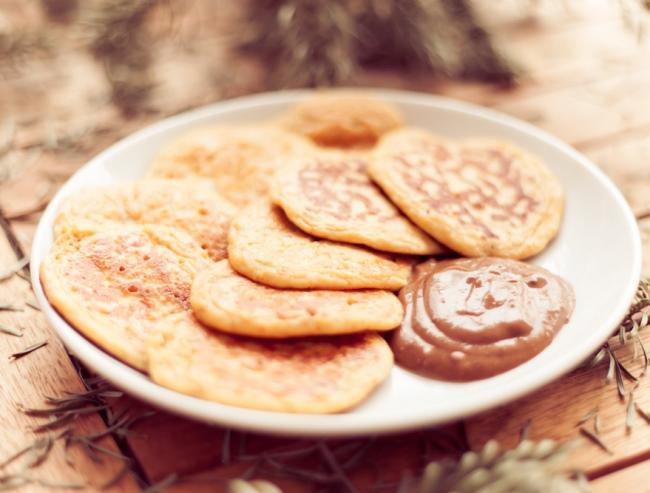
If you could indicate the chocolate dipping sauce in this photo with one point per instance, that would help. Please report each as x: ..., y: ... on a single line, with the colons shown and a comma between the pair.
x: 472, y: 318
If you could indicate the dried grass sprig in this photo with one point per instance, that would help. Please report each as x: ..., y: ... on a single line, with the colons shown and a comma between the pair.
x: 321, y: 43
x: 310, y: 42
x: 115, y: 33
x: 442, y: 37
x: 26, y: 351
x: 62, y: 411
x: 636, y: 320
x: 534, y: 467
x: 531, y: 466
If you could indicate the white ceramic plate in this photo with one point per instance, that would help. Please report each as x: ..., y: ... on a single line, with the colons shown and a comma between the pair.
x: 598, y: 250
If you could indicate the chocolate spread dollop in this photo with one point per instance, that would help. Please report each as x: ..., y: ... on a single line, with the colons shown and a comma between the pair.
x: 472, y: 318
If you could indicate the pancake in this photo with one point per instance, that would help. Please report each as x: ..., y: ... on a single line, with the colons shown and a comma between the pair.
x: 480, y: 197
x: 265, y: 247
x: 117, y: 285
x: 330, y: 195
x: 316, y: 375
x: 239, y: 159
x: 192, y: 205
x: 342, y: 119
x: 223, y: 299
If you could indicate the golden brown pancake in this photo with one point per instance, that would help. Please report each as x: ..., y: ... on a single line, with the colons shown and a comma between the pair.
x: 330, y: 195
x: 120, y: 284
x: 315, y: 375
x: 192, y: 205
x: 266, y: 247
x: 223, y: 299
x: 479, y: 197
x: 342, y: 119
x: 239, y: 159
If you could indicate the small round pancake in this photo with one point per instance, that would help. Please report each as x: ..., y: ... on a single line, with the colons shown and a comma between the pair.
x: 116, y: 285
x: 479, y: 197
x: 265, y: 247
x: 192, y: 205
x: 223, y: 299
x: 315, y: 375
x: 330, y: 195
x: 340, y: 119
x: 240, y: 160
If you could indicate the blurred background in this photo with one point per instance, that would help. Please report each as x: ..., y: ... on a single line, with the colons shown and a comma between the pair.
x: 76, y: 75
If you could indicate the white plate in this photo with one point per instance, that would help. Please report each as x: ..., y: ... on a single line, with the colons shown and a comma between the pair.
x: 598, y: 250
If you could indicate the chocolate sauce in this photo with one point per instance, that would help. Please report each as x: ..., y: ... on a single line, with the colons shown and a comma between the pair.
x: 472, y: 318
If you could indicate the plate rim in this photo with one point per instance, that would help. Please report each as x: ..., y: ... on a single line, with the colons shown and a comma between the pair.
x: 288, y: 424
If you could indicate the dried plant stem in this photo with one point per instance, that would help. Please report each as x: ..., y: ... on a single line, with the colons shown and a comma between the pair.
x: 28, y: 350
x: 10, y: 331
x: 6, y: 307
x: 32, y: 306
x: 595, y: 439
x: 14, y: 269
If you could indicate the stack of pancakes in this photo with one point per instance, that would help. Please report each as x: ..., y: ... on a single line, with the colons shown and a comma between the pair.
x: 256, y: 265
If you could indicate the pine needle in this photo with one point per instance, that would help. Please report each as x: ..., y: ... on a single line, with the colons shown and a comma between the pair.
x: 590, y: 414
x: 334, y: 465
x: 27, y: 350
x: 32, y: 305
x: 40, y: 444
x: 14, y: 269
x: 595, y: 439
x: 642, y: 413
x: 9, y: 308
x: 10, y: 331
x: 630, y: 415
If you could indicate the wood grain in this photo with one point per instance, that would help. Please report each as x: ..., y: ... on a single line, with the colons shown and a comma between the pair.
x: 25, y: 382
x: 184, y: 446
x: 627, y: 163
x: 633, y: 478
x: 584, y: 114
x: 555, y: 411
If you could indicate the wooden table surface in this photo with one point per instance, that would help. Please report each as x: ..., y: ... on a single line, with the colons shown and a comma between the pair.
x: 586, y: 79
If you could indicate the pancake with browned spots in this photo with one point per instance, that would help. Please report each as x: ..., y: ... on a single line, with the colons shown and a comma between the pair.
x: 479, y: 196
x: 119, y: 284
x: 265, y: 246
x: 227, y: 301
x: 315, y: 375
x: 342, y: 119
x: 192, y: 205
x: 240, y: 160
x: 330, y: 195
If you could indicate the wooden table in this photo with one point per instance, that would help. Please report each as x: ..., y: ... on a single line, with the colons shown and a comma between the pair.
x: 587, y: 80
